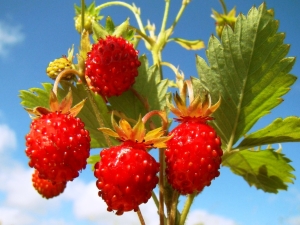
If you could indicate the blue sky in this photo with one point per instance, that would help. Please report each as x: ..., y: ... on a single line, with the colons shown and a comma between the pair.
x: 33, y: 33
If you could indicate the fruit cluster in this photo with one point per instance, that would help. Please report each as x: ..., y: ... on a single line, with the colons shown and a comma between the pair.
x: 58, y: 144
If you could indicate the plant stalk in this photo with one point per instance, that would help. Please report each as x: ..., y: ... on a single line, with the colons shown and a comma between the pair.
x: 223, y: 6
x: 134, y: 10
x: 141, y: 218
x: 186, y: 208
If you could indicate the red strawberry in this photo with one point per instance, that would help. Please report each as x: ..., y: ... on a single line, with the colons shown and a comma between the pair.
x: 111, y: 66
x: 126, y: 176
x: 127, y: 173
x: 193, y: 155
x: 45, y: 187
x: 58, y: 144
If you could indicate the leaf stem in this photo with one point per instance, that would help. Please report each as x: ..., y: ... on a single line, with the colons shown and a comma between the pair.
x: 186, y: 208
x: 165, y: 17
x: 134, y: 10
x: 179, y: 14
x: 223, y: 6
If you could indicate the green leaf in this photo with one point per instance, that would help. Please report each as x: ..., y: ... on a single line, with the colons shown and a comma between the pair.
x: 148, y: 93
x: 249, y: 69
x: 266, y: 169
x: 40, y: 97
x: 189, y: 44
x: 92, y: 160
x: 280, y: 130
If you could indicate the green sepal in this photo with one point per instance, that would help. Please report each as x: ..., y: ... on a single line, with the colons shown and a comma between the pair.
x: 35, y: 97
x: 121, y: 30
x: 109, y: 25
x: 98, y: 32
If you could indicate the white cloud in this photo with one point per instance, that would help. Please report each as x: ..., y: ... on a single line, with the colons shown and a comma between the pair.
x: 87, y: 205
x: 7, y: 138
x: 11, y: 215
x: 9, y: 36
x: 199, y: 217
x: 21, y: 204
x: 294, y: 220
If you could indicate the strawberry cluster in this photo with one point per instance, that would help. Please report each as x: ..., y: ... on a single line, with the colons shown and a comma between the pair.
x: 57, y: 144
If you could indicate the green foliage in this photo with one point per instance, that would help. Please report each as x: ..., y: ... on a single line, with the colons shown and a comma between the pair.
x: 250, y: 71
x: 148, y: 88
x: 189, y: 44
x: 279, y: 131
x: 40, y: 97
x: 266, y: 169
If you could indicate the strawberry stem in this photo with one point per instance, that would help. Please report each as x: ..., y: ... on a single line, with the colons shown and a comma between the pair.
x: 186, y: 208
x: 133, y: 9
x: 140, y: 216
x: 61, y: 75
x: 82, y: 14
x: 161, y: 184
x: 173, y: 211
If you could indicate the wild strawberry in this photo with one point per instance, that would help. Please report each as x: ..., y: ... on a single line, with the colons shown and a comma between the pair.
x: 58, y: 65
x: 111, y: 66
x: 127, y: 173
x: 193, y: 155
x: 58, y: 144
x: 46, y: 188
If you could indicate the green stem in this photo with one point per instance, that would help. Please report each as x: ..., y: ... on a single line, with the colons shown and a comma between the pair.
x: 173, y: 211
x: 82, y: 14
x: 142, y: 221
x: 143, y: 35
x: 161, y: 187
x: 223, y: 6
x: 126, y: 5
x: 165, y: 18
x: 179, y: 14
x: 186, y: 208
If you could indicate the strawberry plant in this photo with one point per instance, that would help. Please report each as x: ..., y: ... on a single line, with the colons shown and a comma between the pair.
x: 110, y: 97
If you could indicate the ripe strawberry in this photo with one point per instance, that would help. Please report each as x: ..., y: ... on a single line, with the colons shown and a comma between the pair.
x: 193, y: 155
x: 127, y: 173
x: 46, y: 188
x: 58, y: 144
x: 126, y: 176
x: 111, y: 66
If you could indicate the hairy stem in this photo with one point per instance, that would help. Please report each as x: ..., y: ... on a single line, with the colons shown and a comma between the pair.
x: 179, y: 14
x: 82, y: 14
x: 173, y: 211
x: 141, y: 218
x: 186, y: 208
x: 223, y: 6
x: 161, y: 187
x: 165, y: 18
x: 126, y: 5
